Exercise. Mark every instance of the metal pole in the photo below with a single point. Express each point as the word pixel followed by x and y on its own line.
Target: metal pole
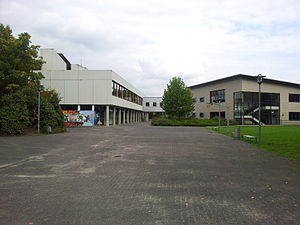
pixel 39 109
pixel 227 130
pixel 219 114
pixel 259 113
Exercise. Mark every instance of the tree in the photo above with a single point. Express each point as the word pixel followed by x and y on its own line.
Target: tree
pixel 19 86
pixel 18 60
pixel 177 100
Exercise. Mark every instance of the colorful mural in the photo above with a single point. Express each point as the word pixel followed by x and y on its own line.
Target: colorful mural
pixel 75 118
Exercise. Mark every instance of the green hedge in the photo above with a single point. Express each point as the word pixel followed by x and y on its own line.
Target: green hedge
pixel 183 122
pixel 188 122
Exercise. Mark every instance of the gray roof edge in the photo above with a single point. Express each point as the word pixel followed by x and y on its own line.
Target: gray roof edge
pixel 247 77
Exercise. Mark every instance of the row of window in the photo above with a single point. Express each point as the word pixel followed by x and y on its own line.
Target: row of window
pixel 294 97
pixel 154 104
pixel 294 115
pixel 215 96
pixel 122 92
pixel 201 114
pixel 219 96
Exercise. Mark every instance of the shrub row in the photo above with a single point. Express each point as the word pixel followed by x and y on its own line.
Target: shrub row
pixel 187 122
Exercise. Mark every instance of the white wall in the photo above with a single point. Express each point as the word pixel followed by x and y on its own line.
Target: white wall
pixel 82 86
pixel 52 59
pixel 151 108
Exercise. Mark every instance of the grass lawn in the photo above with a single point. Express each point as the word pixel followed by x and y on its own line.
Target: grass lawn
pixel 283 140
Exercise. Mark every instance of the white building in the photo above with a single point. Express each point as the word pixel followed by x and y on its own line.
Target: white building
pixel 152 106
pixel 113 99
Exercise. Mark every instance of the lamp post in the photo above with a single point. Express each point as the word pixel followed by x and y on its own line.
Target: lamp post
pixel 259 81
pixel 39 107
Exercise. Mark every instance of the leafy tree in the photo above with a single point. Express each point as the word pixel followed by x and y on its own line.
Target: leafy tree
pixel 178 100
pixel 19 86
pixel 18 60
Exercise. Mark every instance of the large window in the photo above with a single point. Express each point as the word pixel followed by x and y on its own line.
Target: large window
pixel 294 97
pixel 294 115
pixel 122 92
pixel 217 96
pixel 246 108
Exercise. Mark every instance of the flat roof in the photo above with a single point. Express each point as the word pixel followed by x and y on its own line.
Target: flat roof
pixel 246 77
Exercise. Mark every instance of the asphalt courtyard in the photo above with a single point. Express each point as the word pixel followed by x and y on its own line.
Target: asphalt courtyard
pixel 138 174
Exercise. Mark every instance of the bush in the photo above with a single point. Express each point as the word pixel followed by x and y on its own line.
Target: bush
pixel 183 122
pixel 14 115
pixel 51 113
pixel 18 110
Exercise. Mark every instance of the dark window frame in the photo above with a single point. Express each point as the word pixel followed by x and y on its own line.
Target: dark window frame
pixel 294 116
pixel 294 97
pixel 202 99
pixel 218 94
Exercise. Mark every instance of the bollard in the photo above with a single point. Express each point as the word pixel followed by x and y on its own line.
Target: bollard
pixel 49 129
pixel 237 132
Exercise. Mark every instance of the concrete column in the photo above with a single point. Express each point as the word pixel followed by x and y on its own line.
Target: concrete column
pixel 127 115
pixel 107 116
pixel 93 108
pixel 134 117
pixel 78 108
pixel 114 117
pixel 147 117
pixel 124 116
pixel 131 116
pixel 119 117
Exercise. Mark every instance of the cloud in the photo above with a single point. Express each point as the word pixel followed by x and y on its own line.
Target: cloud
pixel 149 42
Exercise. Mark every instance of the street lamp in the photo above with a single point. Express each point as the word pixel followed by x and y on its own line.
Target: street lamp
pixel 218 102
pixel 259 81
pixel 39 106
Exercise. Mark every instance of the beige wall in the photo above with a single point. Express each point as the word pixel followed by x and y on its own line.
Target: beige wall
pixel 245 85
pixel 284 91
pixel 230 88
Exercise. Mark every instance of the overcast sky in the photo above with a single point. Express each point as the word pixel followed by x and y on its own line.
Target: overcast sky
pixel 150 41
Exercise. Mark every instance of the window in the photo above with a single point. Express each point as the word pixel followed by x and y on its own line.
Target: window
pixel 154 104
pixel 201 99
pixel 122 92
pixel 217 96
pixel 294 115
pixel 294 97
pixel 201 115
pixel 160 104
pixel 147 104
pixel 193 114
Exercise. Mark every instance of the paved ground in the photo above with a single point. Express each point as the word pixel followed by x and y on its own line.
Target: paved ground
pixel 132 175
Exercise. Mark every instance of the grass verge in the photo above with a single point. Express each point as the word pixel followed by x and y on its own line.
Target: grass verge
pixel 283 140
